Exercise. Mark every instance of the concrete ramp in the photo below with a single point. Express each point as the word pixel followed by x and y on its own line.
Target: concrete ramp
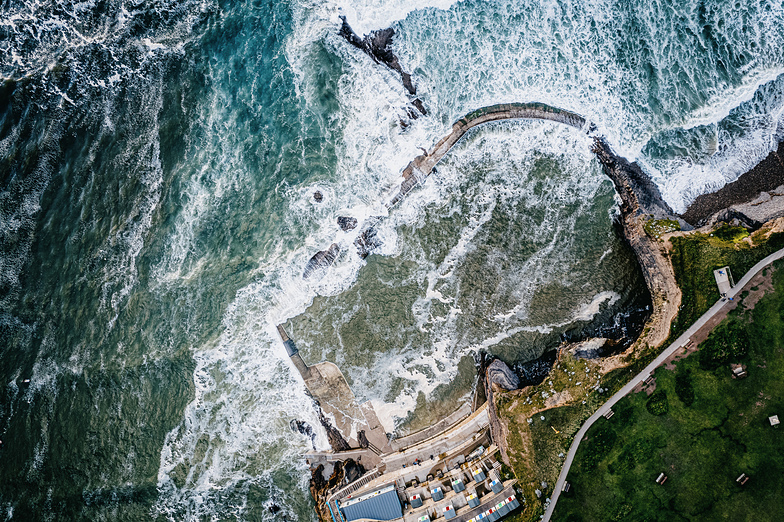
pixel 724 280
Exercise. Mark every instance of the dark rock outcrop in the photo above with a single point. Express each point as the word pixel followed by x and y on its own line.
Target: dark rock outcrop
pixel 320 488
pixel 347 223
pixel 353 470
pixel 535 371
pixel 419 105
pixel 501 375
pixel 641 199
pixel 639 195
pixel 367 241
pixel 305 429
pixel 362 439
pixel 318 196
pixel 321 261
pixel 336 440
pixel 378 45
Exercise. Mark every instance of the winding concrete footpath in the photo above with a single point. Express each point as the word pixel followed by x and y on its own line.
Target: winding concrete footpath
pixel 679 343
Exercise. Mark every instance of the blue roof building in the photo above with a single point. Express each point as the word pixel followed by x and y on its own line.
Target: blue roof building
pixel 496 486
pixel 437 494
pixel 478 475
pixel 473 500
pixel 382 504
pixel 458 485
pixel 416 501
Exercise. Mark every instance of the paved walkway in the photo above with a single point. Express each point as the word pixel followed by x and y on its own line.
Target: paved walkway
pixel 679 343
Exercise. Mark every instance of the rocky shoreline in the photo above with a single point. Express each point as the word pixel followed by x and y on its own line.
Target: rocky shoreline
pixel 641 201
pixel 766 177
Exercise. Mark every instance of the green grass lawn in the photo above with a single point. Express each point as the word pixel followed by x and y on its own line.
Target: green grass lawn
pixel 694 258
pixel 701 427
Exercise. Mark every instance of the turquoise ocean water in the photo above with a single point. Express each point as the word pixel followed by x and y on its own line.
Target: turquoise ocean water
pixel 158 162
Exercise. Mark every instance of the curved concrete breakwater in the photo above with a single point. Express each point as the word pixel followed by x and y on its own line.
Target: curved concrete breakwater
pixel 418 170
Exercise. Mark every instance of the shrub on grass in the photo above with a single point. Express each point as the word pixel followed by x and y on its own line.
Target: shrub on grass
pixel 657 403
pixel 637 452
pixel 623 464
pixel 730 233
pixel 624 416
pixel 728 342
pixel 684 388
pixel 621 511
pixel 600 444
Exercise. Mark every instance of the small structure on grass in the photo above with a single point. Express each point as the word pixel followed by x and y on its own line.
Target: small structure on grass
pixel 724 280
pixel 662 479
pixel 738 371
pixel 742 479
pixel 566 487
pixel 774 420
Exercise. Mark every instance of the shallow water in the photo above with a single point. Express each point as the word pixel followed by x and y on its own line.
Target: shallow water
pixel 156 213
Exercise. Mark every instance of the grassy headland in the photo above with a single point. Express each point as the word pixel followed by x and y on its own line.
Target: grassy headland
pixel 701 427
pixel 695 256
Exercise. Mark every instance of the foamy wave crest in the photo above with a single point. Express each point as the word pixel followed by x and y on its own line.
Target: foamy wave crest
pixel 686 162
pixel 234 441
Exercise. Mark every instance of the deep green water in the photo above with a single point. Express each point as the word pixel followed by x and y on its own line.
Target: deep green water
pixel 157 167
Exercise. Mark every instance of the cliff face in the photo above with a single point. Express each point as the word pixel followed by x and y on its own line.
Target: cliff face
pixel 640 201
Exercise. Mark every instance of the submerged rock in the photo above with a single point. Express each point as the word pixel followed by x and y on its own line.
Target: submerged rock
pixel 318 196
pixel 367 242
pixel 501 375
pixel 347 223
pixel 321 261
pixel 305 429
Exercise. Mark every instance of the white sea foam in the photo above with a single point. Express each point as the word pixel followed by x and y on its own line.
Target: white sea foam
pixel 245 386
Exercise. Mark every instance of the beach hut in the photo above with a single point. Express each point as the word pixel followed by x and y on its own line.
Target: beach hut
pixel 496 486
pixel 478 475
pixel 473 500
pixel 458 485
pixel 512 502
pixel 492 515
pixel 437 494
pixel 449 512
pixel 416 501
